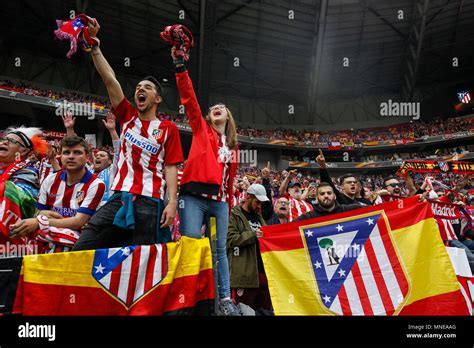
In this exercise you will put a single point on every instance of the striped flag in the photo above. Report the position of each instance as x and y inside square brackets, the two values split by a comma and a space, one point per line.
[356, 267]
[171, 278]
[373, 261]
[129, 273]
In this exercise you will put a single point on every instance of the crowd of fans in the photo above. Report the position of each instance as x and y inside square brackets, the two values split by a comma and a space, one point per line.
[358, 137]
[61, 196]
[70, 96]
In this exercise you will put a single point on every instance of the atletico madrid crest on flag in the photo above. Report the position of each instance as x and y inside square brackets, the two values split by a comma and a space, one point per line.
[356, 265]
[129, 273]
[464, 97]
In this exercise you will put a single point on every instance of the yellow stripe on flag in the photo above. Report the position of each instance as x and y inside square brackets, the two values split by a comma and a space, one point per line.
[291, 283]
[425, 258]
[186, 257]
[421, 251]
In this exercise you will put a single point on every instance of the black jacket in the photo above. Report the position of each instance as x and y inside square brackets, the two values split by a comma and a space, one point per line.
[339, 208]
[341, 197]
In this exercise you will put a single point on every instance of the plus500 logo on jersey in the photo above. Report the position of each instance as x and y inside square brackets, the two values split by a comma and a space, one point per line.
[141, 142]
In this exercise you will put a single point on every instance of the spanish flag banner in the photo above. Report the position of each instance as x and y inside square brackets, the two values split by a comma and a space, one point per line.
[172, 278]
[383, 260]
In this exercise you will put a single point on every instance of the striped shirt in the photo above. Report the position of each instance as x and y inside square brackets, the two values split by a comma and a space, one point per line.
[45, 169]
[83, 197]
[298, 207]
[145, 148]
[446, 229]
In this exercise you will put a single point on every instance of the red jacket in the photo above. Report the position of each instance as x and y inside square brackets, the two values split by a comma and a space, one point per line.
[203, 171]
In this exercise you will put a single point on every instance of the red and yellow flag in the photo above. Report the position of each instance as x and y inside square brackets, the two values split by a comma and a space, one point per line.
[383, 260]
[172, 278]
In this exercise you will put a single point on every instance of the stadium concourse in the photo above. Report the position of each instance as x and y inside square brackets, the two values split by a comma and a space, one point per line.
[201, 196]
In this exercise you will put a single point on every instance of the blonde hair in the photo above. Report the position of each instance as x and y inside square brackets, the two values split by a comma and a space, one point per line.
[230, 129]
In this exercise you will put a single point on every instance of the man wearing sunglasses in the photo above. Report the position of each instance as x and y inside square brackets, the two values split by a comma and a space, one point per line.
[348, 182]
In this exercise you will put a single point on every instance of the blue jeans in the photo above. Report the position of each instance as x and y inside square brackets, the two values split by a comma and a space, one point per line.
[193, 210]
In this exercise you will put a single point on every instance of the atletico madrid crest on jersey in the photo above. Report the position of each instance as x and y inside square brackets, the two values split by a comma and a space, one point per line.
[130, 273]
[356, 265]
[157, 133]
[79, 197]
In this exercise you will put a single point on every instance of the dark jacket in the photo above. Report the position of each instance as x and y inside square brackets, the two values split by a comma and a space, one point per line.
[273, 220]
[341, 197]
[203, 171]
[242, 251]
[318, 212]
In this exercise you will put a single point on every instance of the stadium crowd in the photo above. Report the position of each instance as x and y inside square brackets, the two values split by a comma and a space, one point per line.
[62, 196]
[403, 132]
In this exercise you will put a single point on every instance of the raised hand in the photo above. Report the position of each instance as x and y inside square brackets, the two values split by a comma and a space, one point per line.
[93, 27]
[109, 121]
[266, 170]
[68, 120]
[320, 159]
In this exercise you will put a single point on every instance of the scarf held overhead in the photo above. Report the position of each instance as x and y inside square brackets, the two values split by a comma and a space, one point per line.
[425, 166]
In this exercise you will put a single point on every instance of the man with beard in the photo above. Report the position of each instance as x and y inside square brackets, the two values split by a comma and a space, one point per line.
[297, 205]
[247, 276]
[150, 150]
[392, 190]
[280, 212]
[348, 182]
[327, 204]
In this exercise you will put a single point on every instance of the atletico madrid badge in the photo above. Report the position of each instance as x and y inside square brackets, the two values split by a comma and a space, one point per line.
[345, 256]
[157, 133]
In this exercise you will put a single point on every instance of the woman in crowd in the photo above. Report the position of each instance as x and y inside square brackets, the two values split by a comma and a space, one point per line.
[207, 182]
[19, 183]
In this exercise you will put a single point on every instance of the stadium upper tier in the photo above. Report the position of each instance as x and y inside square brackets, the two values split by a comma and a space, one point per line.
[407, 134]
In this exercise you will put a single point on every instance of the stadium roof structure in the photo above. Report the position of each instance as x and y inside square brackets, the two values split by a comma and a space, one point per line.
[307, 62]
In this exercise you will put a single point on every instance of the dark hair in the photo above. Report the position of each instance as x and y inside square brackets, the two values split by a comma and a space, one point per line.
[109, 155]
[72, 141]
[345, 176]
[387, 178]
[159, 89]
[325, 184]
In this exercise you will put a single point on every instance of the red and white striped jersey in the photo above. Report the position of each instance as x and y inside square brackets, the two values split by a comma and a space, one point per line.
[446, 229]
[83, 197]
[145, 148]
[45, 169]
[239, 197]
[297, 208]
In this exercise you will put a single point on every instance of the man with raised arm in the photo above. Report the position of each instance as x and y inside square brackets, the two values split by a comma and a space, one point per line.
[150, 150]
